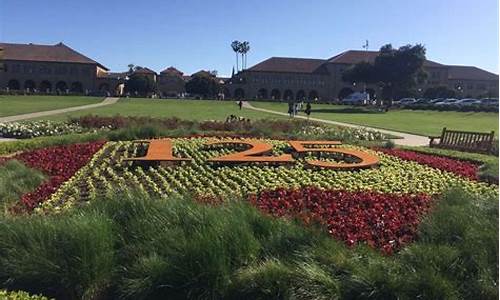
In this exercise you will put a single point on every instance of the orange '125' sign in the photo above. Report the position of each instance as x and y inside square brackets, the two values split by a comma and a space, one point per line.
[160, 150]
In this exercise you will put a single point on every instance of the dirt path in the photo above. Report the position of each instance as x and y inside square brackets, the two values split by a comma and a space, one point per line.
[405, 140]
[106, 101]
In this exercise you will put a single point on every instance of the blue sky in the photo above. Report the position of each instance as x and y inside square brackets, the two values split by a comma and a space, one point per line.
[195, 34]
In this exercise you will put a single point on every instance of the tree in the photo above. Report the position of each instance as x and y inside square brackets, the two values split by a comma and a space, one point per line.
[236, 45]
[399, 70]
[130, 68]
[203, 84]
[139, 84]
[360, 72]
[244, 49]
[396, 71]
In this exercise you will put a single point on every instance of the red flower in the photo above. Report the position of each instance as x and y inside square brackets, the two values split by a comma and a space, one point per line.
[60, 163]
[383, 221]
[459, 167]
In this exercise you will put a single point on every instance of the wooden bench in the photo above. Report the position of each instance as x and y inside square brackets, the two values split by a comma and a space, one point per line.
[480, 142]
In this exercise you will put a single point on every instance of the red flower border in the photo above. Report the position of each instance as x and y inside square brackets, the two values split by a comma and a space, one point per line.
[60, 163]
[383, 221]
[458, 167]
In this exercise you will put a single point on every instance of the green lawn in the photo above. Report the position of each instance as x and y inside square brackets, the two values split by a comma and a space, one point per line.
[411, 121]
[167, 108]
[17, 105]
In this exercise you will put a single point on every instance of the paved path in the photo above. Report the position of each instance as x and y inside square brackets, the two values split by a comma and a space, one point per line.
[406, 138]
[106, 101]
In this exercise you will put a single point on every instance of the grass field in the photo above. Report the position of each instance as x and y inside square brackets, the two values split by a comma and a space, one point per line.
[183, 109]
[417, 122]
[17, 105]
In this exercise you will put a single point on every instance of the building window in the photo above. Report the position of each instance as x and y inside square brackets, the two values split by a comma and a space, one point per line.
[481, 86]
[28, 69]
[470, 86]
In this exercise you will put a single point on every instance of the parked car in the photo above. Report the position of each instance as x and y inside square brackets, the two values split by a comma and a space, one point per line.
[404, 101]
[422, 101]
[356, 99]
[434, 101]
[449, 101]
[489, 101]
[468, 102]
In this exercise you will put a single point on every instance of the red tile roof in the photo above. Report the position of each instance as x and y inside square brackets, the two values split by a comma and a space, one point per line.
[356, 56]
[172, 70]
[144, 70]
[288, 65]
[45, 53]
[469, 72]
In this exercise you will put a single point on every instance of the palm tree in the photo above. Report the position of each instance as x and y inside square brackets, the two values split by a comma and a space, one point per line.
[245, 48]
[130, 68]
[236, 45]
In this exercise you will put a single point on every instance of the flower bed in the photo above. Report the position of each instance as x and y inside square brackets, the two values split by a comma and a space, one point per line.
[60, 163]
[455, 166]
[383, 221]
[27, 130]
[107, 172]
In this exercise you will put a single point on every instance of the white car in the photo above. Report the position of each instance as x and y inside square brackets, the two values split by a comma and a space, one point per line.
[405, 101]
[489, 101]
[356, 99]
[468, 102]
[449, 101]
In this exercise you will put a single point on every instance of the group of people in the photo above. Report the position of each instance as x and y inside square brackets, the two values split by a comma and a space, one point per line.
[295, 107]
[234, 119]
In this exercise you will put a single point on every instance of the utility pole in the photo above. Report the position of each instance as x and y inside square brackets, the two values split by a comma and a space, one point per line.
[365, 46]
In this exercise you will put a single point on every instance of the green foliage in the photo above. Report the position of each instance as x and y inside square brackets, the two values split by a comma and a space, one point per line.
[360, 72]
[131, 246]
[15, 180]
[19, 295]
[66, 256]
[396, 70]
[203, 84]
[458, 250]
[399, 69]
[140, 84]
[389, 144]
[42, 142]
[33, 129]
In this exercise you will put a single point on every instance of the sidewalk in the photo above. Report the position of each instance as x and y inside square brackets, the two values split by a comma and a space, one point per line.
[406, 139]
[106, 101]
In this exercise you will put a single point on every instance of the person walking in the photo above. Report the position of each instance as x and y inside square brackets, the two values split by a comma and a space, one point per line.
[308, 110]
[240, 104]
[290, 109]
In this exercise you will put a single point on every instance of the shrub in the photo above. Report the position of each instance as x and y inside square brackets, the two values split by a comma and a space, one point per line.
[130, 246]
[67, 257]
[19, 295]
[32, 129]
[389, 144]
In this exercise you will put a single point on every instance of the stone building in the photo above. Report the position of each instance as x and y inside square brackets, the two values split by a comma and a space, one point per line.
[284, 78]
[60, 69]
[48, 68]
